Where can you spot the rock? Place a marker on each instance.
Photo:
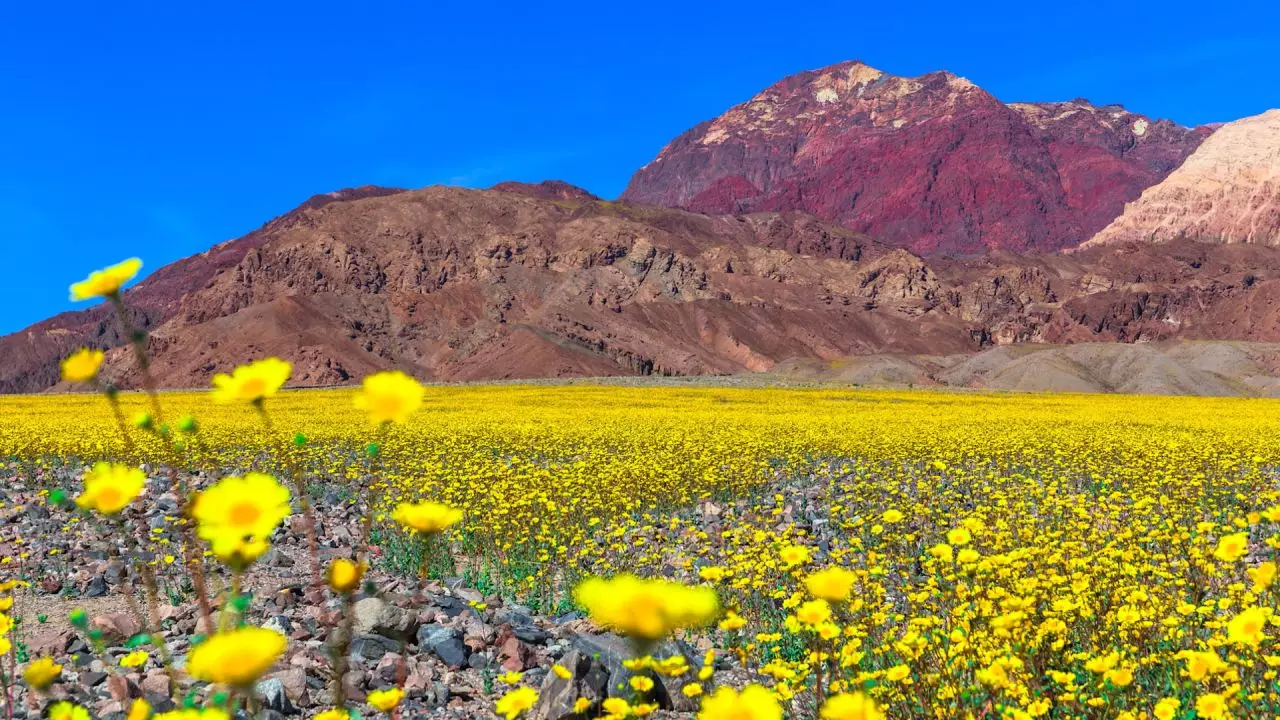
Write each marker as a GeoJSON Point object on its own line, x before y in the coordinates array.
{"type": "Point", "coordinates": [275, 558]}
{"type": "Point", "coordinates": [47, 641]}
{"type": "Point", "coordinates": [374, 616]}
{"type": "Point", "coordinates": [530, 634]}
{"type": "Point", "coordinates": [294, 681]}
{"type": "Point", "coordinates": [155, 682]}
{"type": "Point", "coordinates": [371, 648]}
{"type": "Point", "coordinates": [388, 668]}
{"type": "Point", "coordinates": [513, 654]}
{"type": "Point", "coordinates": [557, 695]}
{"type": "Point", "coordinates": [598, 672]}
{"type": "Point", "coordinates": [1216, 195]}
{"type": "Point", "coordinates": [116, 627]}
{"type": "Point", "coordinates": [97, 587]}
{"type": "Point", "coordinates": [122, 689]}
{"type": "Point", "coordinates": [445, 642]}
{"type": "Point", "coordinates": [273, 695]}
{"type": "Point", "coordinates": [279, 623]}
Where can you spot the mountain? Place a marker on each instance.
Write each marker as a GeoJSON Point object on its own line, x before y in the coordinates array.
{"type": "Point", "coordinates": [546, 281]}
{"type": "Point", "coordinates": [1228, 191]}
{"type": "Point", "coordinates": [933, 164]}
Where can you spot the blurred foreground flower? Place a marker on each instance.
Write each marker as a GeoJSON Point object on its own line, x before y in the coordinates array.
{"type": "Point", "coordinates": [236, 657]}
{"type": "Point", "coordinates": [390, 396]}
{"type": "Point", "coordinates": [107, 281]}
{"type": "Point", "coordinates": [753, 703]}
{"type": "Point", "coordinates": [426, 517]}
{"type": "Point", "coordinates": [252, 382]}
{"type": "Point", "coordinates": [82, 365]}
{"type": "Point", "coordinates": [646, 609]}
{"type": "Point", "coordinates": [109, 487]}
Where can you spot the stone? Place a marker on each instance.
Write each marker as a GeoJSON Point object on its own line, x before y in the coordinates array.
{"type": "Point", "coordinates": [274, 697]}
{"type": "Point", "coordinates": [371, 648]}
{"type": "Point", "coordinates": [445, 643]}
{"type": "Point", "coordinates": [374, 616]}
{"type": "Point", "coordinates": [116, 627]}
{"type": "Point", "coordinates": [97, 587]}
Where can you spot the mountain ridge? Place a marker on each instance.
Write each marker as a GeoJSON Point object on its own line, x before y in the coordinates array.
{"type": "Point", "coordinates": [933, 163]}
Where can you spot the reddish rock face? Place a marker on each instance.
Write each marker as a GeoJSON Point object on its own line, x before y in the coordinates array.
{"type": "Point", "coordinates": [933, 164]}
{"type": "Point", "coordinates": [456, 284]}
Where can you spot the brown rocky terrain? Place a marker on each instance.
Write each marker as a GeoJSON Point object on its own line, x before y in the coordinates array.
{"type": "Point", "coordinates": [1217, 368]}
{"type": "Point", "coordinates": [1227, 191]}
{"type": "Point", "coordinates": [541, 281]}
{"type": "Point", "coordinates": [934, 164]}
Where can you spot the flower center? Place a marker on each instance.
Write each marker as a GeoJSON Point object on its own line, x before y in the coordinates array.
{"type": "Point", "coordinates": [109, 497]}
{"type": "Point", "coordinates": [253, 387]}
{"type": "Point", "coordinates": [245, 514]}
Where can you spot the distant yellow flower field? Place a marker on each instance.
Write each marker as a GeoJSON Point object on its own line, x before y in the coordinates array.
{"type": "Point", "coordinates": [998, 555]}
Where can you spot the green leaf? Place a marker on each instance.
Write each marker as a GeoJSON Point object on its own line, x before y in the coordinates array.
{"type": "Point", "coordinates": [136, 640]}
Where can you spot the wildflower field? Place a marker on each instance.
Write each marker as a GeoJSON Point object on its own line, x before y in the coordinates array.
{"type": "Point", "coordinates": [871, 554]}
{"type": "Point", "coordinates": [738, 554]}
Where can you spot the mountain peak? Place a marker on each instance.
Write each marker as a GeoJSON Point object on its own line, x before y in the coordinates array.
{"type": "Point", "coordinates": [933, 163]}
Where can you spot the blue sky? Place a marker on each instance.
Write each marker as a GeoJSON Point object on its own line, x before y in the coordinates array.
{"type": "Point", "coordinates": [158, 129]}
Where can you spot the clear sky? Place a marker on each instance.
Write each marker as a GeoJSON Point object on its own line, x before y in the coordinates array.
{"type": "Point", "coordinates": [158, 129]}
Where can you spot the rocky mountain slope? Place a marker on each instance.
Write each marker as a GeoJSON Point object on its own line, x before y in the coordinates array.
{"type": "Point", "coordinates": [934, 164]}
{"type": "Point", "coordinates": [1228, 191]}
{"type": "Point", "coordinates": [546, 281]}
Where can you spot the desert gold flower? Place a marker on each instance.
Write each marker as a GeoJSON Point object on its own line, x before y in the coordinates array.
{"type": "Point", "coordinates": [238, 552]}
{"type": "Point", "coordinates": [40, 674]}
{"type": "Point", "coordinates": [850, 706]}
{"type": "Point", "coordinates": [137, 658]}
{"type": "Point", "coordinates": [240, 507]}
{"type": "Point", "coordinates": [236, 657]}
{"type": "Point", "coordinates": [753, 703]}
{"type": "Point", "coordinates": [253, 382]}
{"type": "Point", "coordinates": [139, 709]}
{"type": "Point", "coordinates": [833, 583]}
{"type": "Point", "coordinates": [64, 710]}
{"type": "Point", "coordinates": [814, 612]}
{"type": "Point", "coordinates": [516, 702]}
{"type": "Point", "coordinates": [110, 487]}
{"type": "Point", "coordinates": [107, 281]}
{"type": "Point", "coordinates": [385, 700]}
{"type": "Point", "coordinates": [344, 575]}
{"type": "Point", "coordinates": [390, 396]}
{"type": "Point", "coordinates": [332, 714]}
{"type": "Point", "coordinates": [1248, 626]}
{"type": "Point", "coordinates": [1166, 709]}
{"type": "Point", "coordinates": [646, 609]}
{"type": "Point", "coordinates": [426, 517]}
{"type": "Point", "coordinates": [1211, 706]}
{"type": "Point", "coordinates": [82, 365]}
{"type": "Point", "coordinates": [1232, 547]}
{"type": "Point", "coordinates": [1263, 575]}
{"type": "Point", "coordinates": [794, 555]}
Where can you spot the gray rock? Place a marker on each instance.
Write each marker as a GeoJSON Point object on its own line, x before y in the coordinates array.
{"type": "Point", "coordinates": [274, 697]}
{"type": "Point", "coordinates": [445, 642]}
{"type": "Point", "coordinates": [97, 587]}
{"type": "Point", "coordinates": [530, 634]}
{"type": "Point", "coordinates": [371, 648]}
{"type": "Point", "coordinates": [279, 623]}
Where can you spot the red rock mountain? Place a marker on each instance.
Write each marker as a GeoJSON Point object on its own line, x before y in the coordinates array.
{"type": "Point", "coordinates": [934, 164]}
{"type": "Point", "coordinates": [546, 281]}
